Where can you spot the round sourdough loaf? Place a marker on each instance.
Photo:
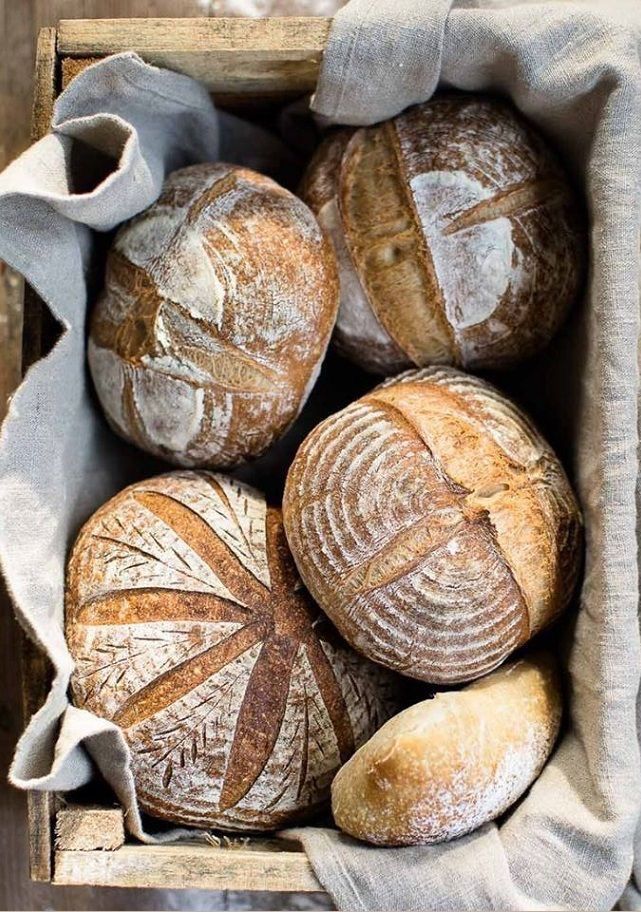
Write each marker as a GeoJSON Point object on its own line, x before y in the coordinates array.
{"type": "Point", "coordinates": [448, 765]}
{"type": "Point", "coordinates": [190, 628]}
{"type": "Point", "coordinates": [458, 237]}
{"type": "Point", "coordinates": [434, 525]}
{"type": "Point", "coordinates": [218, 306]}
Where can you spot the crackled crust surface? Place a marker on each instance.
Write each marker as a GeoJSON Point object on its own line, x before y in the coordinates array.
{"type": "Point", "coordinates": [190, 628]}
{"type": "Point", "coordinates": [459, 238]}
{"type": "Point", "coordinates": [446, 766]}
{"type": "Point", "coordinates": [217, 310]}
{"type": "Point", "coordinates": [434, 525]}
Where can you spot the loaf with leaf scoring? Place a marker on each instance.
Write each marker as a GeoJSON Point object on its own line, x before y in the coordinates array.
{"type": "Point", "coordinates": [458, 236]}
{"type": "Point", "coordinates": [218, 306]}
{"type": "Point", "coordinates": [446, 766]}
{"type": "Point", "coordinates": [434, 525]}
{"type": "Point", "coordinates": [190, 628]}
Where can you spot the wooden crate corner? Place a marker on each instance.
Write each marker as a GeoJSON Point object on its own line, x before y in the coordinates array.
{"type": "Point", "coordinates": [236, 59]}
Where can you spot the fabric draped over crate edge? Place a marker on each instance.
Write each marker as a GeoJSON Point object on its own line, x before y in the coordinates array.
{"type": "Point", "coordinates": [574, 70]}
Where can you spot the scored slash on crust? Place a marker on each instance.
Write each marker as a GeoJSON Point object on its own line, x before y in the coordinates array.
{"type": "Point", "coordinates": [275, 613]}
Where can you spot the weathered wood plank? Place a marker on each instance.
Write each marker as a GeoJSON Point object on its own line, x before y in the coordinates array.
{"type": "Point", "coordinates": [291, 38]}
{"type": "Point", "coordinates": [44, 88]}
{"type": "Point", "coordinates": [264, 57]}
{"type": "Point", "coordinates": [187, 866]}
{"type": "Point", "coordinates": [35, 670]}
{"type": "Point", "coordinates": [87, 829]}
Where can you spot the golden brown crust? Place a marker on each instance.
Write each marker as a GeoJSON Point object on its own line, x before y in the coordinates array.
{"type": "Point", "coordinates": [446, 766]}
{"type": "Point", "coordinates": [434, 525]}
{"type": "Point", "coordinates": [320, 181]}
{"type": "Point", "coordinates": [388, 247]}
{"type": "Point", "coordinates": [191, 630]}
{"type": "Point", "coordinates": [467, 238]}
{"type": "Point", "coordinates": [218, 306]}
{"type": "Point", "coordinates": [359, 333]}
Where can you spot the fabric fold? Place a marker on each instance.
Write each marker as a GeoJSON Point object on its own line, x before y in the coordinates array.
{"type": "Point", "coordinates": [381, 57]}
{"type": "Point", "coordinates": [58, 460]}
{"type": "Point", "coordinates": [573, 69]}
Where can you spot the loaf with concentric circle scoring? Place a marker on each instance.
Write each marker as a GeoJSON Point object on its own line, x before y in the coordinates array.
{"type": "Point", "coordinates": [459, 237]}
{"type": "Point", "coordinates": [446, 766]}
{"type": "Point", "coordinates": [434, 525]}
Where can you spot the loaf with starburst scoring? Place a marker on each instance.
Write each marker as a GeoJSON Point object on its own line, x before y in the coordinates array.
{"type": "Point", "coordinates": [190, 628]}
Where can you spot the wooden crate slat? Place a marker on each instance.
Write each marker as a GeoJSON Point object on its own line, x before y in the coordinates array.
{"type": "Point", "coordinates": [44, 89]}
{"type": "Point", "coordinates": [261, 57]}
{"type": "Point", "coordinates": [90, 829]}
{"type": "Point", "coordinates": [35, 668]}
{"type": "Point", "coordinates": [189, 867]}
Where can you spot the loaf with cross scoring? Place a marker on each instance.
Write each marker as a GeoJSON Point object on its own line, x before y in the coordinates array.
{"type": "Point", "coordinates": [218, 306]}
{"type": "Point", "coordinates": [190, 628]}
{"type": "Point", "coordinates": [434, 525]}
{"type": "Point", "coordinates": [446, 766]}
{"type": "Point", "coordinates": [458, 236]}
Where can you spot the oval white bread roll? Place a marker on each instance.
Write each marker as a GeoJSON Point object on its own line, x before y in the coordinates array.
{"type": "Point", "coordinates": [446, 766]}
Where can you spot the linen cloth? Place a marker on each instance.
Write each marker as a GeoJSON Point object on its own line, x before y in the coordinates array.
{"type": "Point", "coordinates": [574, 70]}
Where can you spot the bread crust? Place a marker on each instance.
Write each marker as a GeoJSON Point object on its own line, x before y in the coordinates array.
{"type": "Point", "coordinates": [434, 525]}
{"type": "Point", "coordinates": [218, 306]}
{"type": "Point", "coordinates": [190, 628]}
{"type": "Point", "coordinates": [446, 766]}
{"type": "Point", "coordinates": [462, 232]}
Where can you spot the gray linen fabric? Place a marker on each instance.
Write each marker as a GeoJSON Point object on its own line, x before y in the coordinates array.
{"type": "Point", "coordinates": [573, 69]}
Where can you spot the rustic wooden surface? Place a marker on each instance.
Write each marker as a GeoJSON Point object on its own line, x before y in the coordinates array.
{"type": "Point", "coordinates": [20, 21]}
{"type": "Point", "coordinates": [85, 829]}
{"type": "Point", "coordinates": [171, 865]}
{"type": "Point", "coordinates": [262, 57]}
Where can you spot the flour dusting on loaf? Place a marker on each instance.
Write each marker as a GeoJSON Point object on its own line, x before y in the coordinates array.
{"type": "Point", "coordinates": [434, 525]}
{"type": "Point", "coordinates": [457, 233]}
{"type": "Point", "coordinates": [218, 306]}
{"type": "Point", "coordinates": [446, 766]}
{"type": "Point", "coordinates": [190, 628]}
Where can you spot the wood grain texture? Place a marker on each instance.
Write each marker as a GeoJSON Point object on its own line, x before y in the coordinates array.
{"type": "Point", "coordinates": [230, 56]}
{"type": "Point", "coordinates": [218, 306]}
{"type": "Point", "coordinates": [459, 237]}
{"type": "Point", "coordinates": [44, 88]}
{"type": "Point", "coordinates": [188, 866]}
{"type": "Point", "coordinates": [434, 525]}
{"type": "Point", "coordinates": [446, 766]}
{"type": "Point", "coordinates": [190, 629]}
{"type": "Point", "coordinates": [86, 829]}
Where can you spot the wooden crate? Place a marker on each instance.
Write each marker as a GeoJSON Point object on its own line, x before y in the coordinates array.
{"type": "Point", "coordinates": [241, 61]}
